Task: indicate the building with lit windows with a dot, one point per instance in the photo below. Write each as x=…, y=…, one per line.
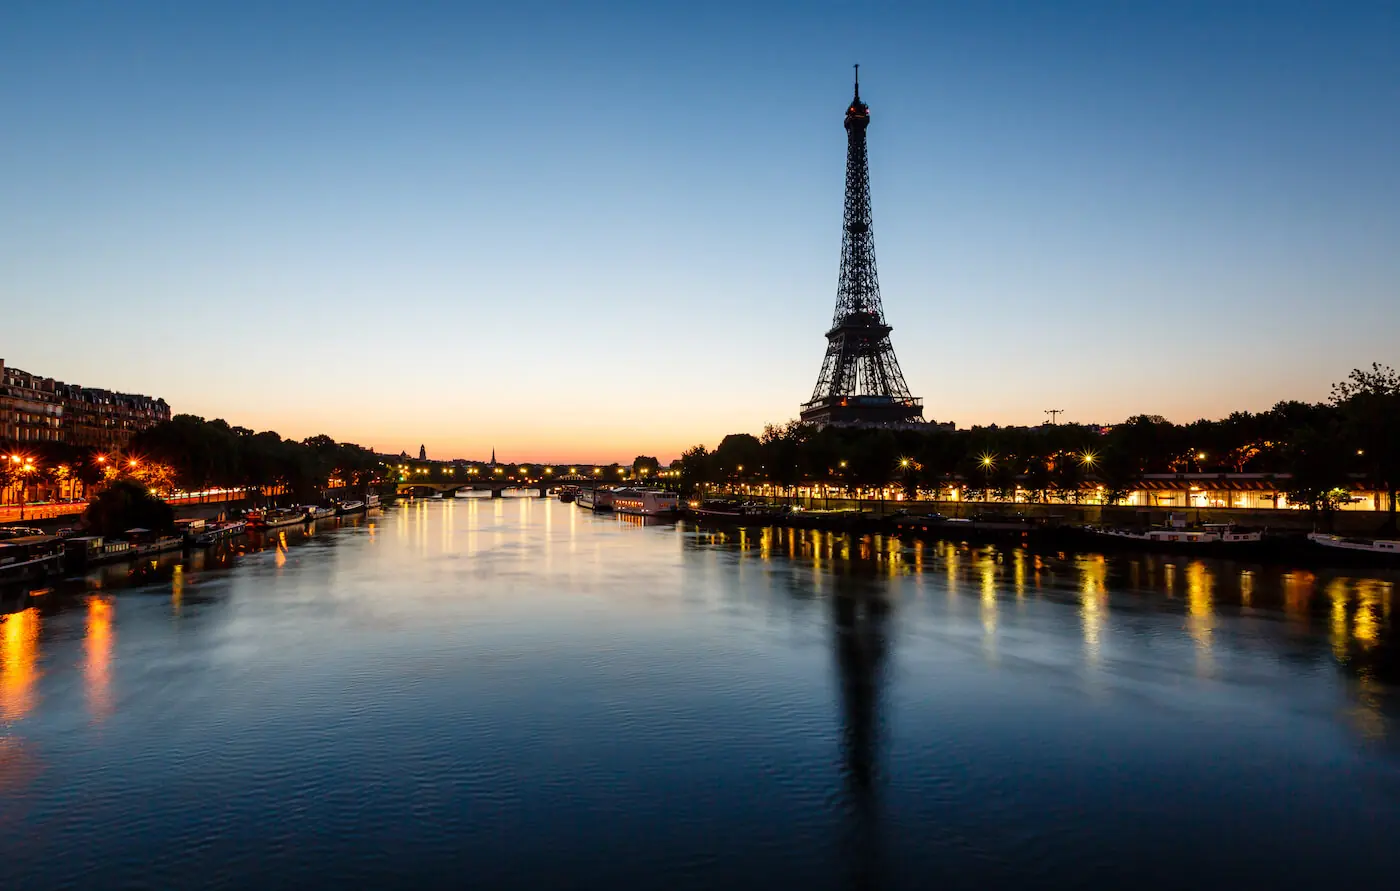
x=30, y=411
x=37, y=409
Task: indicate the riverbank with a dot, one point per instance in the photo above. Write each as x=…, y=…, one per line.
x=1049, y=529
x=1298, y=521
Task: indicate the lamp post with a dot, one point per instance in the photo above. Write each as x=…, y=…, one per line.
x=25, y=471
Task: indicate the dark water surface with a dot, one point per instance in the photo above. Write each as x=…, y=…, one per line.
x=518, y=694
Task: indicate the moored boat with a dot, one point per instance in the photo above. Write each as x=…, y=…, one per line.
x=188, y=528
x=645, y=502
x=567, y=494
x=715, y=509
x=219, y=531
x=1387, y=550
x=145, y=542
x=275, y=517
x=1207, y=533
x=27, y=557
x=595, y=499
x=90, y=550
x=316, y=512
x=731, y=510
x=351, y=507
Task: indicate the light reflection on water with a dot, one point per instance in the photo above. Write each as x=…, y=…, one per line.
x=549, y=697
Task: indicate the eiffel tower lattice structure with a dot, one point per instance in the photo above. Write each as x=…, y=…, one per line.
x=860, y=382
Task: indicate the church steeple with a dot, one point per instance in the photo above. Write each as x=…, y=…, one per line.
x=493, y=457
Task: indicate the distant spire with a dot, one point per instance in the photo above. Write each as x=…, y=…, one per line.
x=422, y=453
x=493, y=456
x=857, y=81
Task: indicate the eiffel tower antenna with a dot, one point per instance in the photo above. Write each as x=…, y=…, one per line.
x=860, y=383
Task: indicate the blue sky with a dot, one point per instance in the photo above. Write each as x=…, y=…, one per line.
x=582, y=233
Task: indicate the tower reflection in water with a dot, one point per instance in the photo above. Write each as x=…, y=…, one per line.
x=1344, y=616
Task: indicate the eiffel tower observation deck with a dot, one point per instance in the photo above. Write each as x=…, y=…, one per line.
x=860, y=382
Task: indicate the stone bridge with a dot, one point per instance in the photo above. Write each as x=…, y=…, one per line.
x=449, y=488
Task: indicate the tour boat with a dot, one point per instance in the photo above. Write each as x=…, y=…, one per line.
x=567, y=494
x=28, y=557
x=1356, y=545
x=372, y=502
x=647, y=502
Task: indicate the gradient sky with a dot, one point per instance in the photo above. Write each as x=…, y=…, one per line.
x=582, y=234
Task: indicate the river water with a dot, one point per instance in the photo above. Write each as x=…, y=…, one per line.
x=519, y=694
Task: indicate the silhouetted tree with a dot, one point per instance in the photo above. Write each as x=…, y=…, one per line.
x=124, y=505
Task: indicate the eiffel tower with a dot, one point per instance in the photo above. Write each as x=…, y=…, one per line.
x=860, y=382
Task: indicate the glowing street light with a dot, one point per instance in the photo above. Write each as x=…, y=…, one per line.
x=1088, y=459
x=989, y=460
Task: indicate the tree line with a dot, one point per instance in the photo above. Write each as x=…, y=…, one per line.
x=204, y=454
x=1319, y=451
x=191, y=454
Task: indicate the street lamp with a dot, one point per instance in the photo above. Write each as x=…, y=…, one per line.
x=25, y=470
x=989, y=463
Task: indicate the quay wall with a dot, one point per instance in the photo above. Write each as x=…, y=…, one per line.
x=1343, y=522
x=51, y=517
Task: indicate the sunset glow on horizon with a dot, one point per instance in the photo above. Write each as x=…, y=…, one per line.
x=582, y=237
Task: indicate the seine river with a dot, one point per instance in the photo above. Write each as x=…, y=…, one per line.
x=519, y=694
